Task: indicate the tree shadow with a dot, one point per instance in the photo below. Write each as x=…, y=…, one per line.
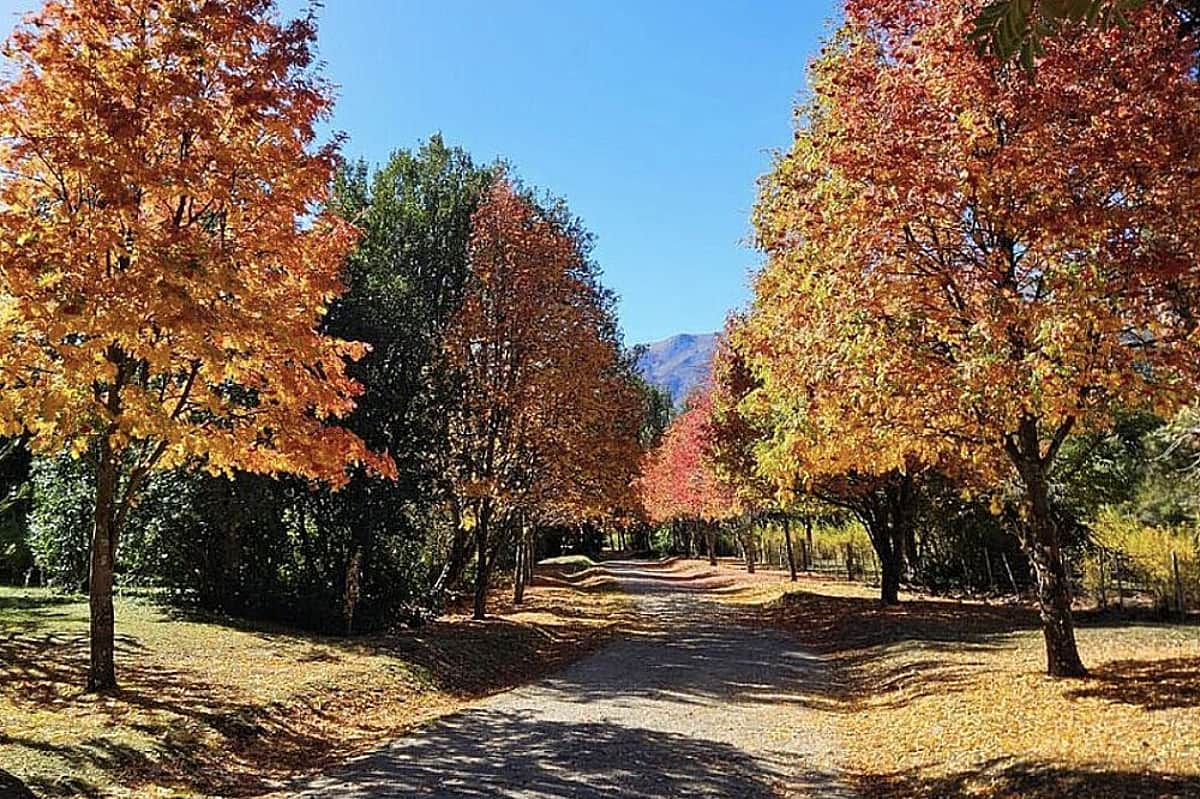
x=1150, y=684
x=175, y=708
x=13, y=788
x=215, y=739
x=835, y=625
x=486, y=753
x=1006, y=778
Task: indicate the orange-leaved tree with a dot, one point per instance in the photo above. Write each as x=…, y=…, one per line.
x=998, y=262
x=544, y=419
x=164, y=267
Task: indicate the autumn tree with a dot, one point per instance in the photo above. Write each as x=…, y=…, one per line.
x=164, y=267
x=767, y=441
x=544, y=417
x=992, y=263
x=679, y=482
x=733, y=437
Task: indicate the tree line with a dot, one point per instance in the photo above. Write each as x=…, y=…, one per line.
x=271, y=382
x=978, y=303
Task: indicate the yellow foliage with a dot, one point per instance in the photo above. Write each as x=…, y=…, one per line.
x=1146, y=550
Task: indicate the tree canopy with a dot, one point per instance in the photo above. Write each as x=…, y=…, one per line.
x=972, y=266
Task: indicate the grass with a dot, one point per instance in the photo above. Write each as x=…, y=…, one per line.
x=207, y=707
x=943, y=698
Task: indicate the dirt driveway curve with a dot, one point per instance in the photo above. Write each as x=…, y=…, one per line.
x=696, y=705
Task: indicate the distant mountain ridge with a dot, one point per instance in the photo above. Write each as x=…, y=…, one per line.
x=678, y=364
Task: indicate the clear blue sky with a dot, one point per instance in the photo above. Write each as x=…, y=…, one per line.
x=652, y=118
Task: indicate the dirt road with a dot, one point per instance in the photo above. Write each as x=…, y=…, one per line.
x=694, y=705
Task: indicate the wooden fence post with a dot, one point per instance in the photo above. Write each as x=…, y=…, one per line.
x=1116, y=571
x=1179, y=603
x=1011, y=579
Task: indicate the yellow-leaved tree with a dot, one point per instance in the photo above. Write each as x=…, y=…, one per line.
x=973, y=265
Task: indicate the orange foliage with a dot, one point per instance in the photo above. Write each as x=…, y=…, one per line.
x=966, y=262
x=547, y=422
x=162, y=272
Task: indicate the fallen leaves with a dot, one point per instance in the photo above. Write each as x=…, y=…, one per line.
x=209, y=707
x=942, y=698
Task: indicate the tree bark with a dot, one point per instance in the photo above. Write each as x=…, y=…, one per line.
x=1041, y=545
x=351, y=590
x=102, y=674
x=1054, y=601
x=889, y=582
x=883, y=513
x=530, y=554
x=710, y=543
x=751, y=549
x=456, y=562
x=810, y=553
x=520, y=568
x=483, y=564
x=787, y=543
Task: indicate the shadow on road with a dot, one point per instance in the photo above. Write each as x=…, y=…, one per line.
x=490, y=753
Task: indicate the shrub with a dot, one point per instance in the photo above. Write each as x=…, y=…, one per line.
x=1145, y=551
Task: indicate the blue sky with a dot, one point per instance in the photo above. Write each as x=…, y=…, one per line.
x=652, y=118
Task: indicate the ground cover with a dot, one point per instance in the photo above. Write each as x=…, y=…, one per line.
x=212, y=706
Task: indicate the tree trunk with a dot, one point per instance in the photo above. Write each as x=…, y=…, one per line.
x=456, y=562
x=810, y=553
x=1054, y=601
x=787, y=543
x=530, y=554
x=889, y=576
x=350, y=594
x=1041, y=546
x=751, y=549
x=519, y=570
x=882, y=513
x=483, y=565
x=102, y=674
x=1054, y=598
x=710, y=543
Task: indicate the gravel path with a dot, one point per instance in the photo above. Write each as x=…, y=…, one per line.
x=695, y=706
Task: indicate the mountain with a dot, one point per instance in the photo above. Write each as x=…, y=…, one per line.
x=678, y=364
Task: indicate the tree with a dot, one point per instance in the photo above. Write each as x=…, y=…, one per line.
x=802, y=395
x=732, y=437
x=994, y=264
x=544, y=416
x=679, y=483
x=165, y=270
x=405, y=285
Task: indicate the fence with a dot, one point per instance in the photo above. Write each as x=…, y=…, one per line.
x=1169, y=581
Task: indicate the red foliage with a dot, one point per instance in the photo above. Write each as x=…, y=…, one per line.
x=678, y=481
